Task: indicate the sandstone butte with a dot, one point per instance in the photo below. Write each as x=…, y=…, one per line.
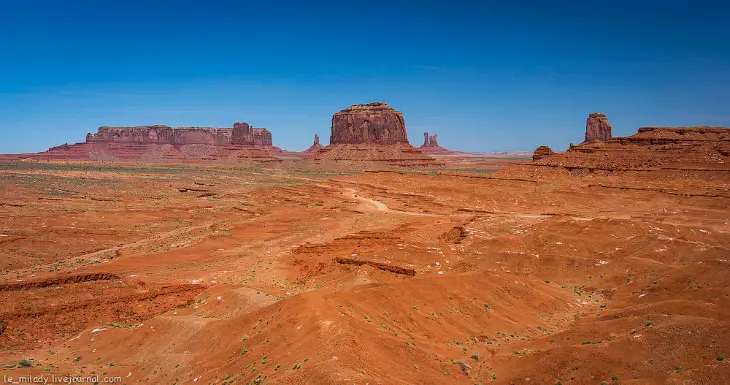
x=373, y=123
x=372, y=133
x=430, y=140
x=431, y=146
x=161, y=142
x=597, y=127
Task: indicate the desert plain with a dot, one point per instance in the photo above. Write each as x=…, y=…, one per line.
x=606, y=264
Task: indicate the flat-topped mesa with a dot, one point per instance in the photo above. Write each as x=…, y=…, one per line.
x=597, y=127
x=240, y=134
x=542, y=152
x=373, y=123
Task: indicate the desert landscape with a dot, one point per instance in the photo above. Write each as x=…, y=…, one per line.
x=207, y=255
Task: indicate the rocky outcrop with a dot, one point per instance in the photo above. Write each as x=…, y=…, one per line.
x=542, y=152
x=597, y=127
x=316, y=146
x=373, y=123
x=430, y=140
x=431, y=145
x=686, y=156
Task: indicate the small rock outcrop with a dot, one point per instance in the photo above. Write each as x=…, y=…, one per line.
x=542, y=152
x=315, y=146
x=597, y=128
x=373, y=123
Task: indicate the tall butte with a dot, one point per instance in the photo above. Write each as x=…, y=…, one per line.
x=372, y=134
x=597, y=127
x=373, y=123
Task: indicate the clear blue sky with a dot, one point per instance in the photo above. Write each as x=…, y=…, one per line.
x=484, y=76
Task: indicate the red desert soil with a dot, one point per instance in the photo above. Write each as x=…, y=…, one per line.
x=223, y=274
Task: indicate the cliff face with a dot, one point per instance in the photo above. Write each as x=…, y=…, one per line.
x=242, y=134
x=373, y=123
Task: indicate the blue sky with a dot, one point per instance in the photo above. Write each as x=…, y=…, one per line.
x=483, y=75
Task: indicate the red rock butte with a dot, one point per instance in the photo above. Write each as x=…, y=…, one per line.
x=431, y=145
x=597, y=127
x=373, y=133
x=373, y=123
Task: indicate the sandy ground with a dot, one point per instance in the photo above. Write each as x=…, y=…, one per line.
x=249, y=274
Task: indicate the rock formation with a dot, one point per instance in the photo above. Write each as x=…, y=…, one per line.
x=315, y=146
x=431, y=145
x=682, y=154
x=160, y=142
x=240, y=134
x=368, y=136
x=373, y=123
x=430, y=140
x=542, y=152
x=597, y=127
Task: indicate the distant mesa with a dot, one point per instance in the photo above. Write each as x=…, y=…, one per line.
x=316, y=146
x=542, y=152
x=597, y=128
x=164, y=143
x=241, y=134
x=373, y=123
